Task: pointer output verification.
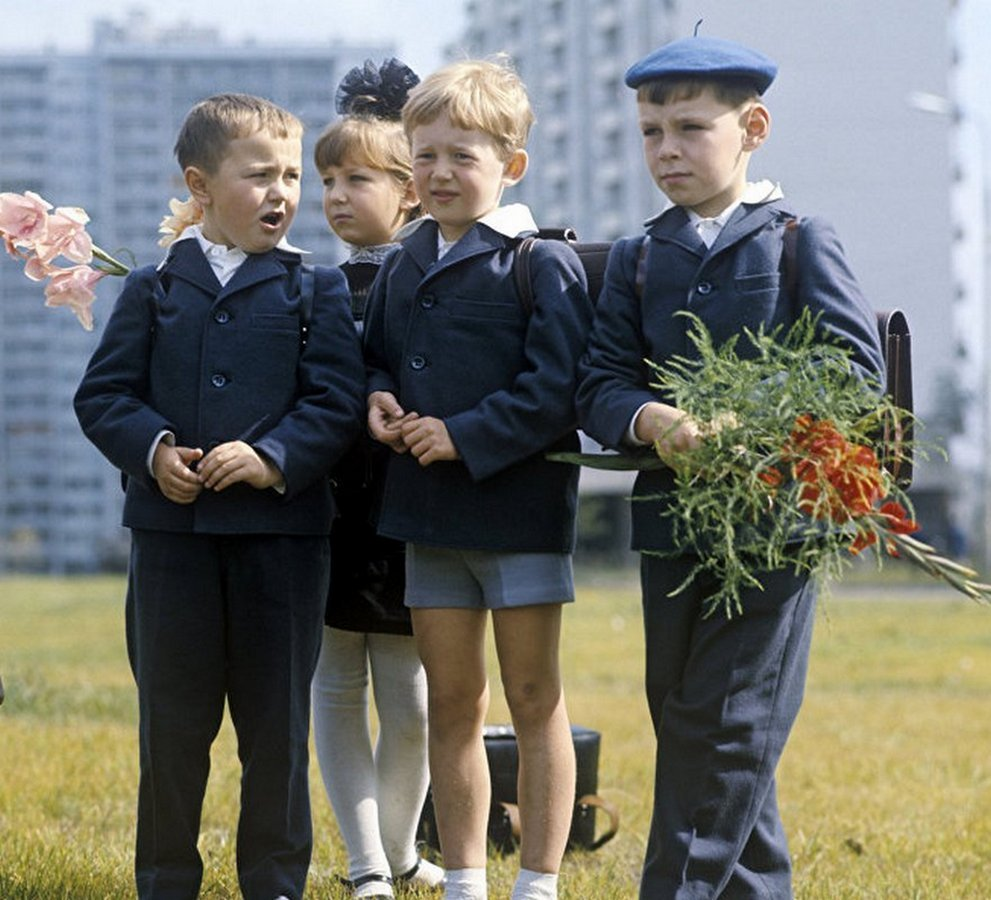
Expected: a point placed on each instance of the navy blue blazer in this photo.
(451, 339)
(214, 364)
(734, 284)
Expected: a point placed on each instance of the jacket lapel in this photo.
(185, 260)
(746, 219)
(258, 267)
(421, 246)
(674, 227)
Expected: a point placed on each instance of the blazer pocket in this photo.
(755, 284)
(461, 308)
(285, 322)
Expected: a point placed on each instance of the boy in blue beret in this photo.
(723, 693)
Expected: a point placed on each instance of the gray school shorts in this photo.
(485, 579)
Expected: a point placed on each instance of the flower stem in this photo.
(112, 266)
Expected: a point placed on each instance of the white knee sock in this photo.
(402, 776)
(465, 884)
(535, 886)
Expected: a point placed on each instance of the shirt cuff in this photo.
(631, 433)
(163, 435)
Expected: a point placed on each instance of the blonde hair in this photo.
(213, 123)
(365, 140)
(477, 95)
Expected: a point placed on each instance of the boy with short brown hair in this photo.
(224, 402)
(723, 693)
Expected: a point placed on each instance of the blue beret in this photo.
(704, 57)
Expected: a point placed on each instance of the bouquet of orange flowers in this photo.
(786, 473)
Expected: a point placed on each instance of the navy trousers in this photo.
(723, 695)
(215, 618)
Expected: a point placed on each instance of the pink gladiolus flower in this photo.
(66, 237)
(36, 237)
(38, 270)
(23, 218)
(74, 288)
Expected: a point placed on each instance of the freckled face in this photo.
(363, 205)
(459, 175)
(250, 201)
(696, 150)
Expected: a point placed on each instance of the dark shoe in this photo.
(371, 887)
(423, 874)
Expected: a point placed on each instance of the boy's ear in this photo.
(756, 126)
(515, 167)
(196, 181)
(409, 200)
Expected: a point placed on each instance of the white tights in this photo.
(376, 794)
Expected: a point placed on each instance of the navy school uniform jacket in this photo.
(213, 364)
(451, 339)
(734, 284)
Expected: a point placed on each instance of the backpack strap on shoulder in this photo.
(789, 255)
(305, 285)
(640, 280)
(521, 262)
(521, 272)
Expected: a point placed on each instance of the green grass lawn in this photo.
(885, 786)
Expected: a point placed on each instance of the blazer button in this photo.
(417, 363)
(218, 380)
(703, 287)
(221, 317)
(427, 301)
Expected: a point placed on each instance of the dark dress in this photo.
(367, 579)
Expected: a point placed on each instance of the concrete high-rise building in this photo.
(849, 141)
(96, 129)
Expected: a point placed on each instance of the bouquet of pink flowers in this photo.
(786, 473)
(39, 237)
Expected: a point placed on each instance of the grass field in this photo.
(885, 786)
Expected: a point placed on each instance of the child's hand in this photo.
(668, 429)
(386, 419)
(428, 440)
(172, 468)
(235, 461)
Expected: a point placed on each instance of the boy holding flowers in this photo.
(723, 692)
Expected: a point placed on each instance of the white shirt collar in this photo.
(510, 221)
(225, 261)
(755, 193)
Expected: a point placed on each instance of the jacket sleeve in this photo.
(328, 412)
(613, 378)
(827, 286)
(111, 400)
(377, 370)
(538, 408)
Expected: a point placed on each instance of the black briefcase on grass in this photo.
(504, 821)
